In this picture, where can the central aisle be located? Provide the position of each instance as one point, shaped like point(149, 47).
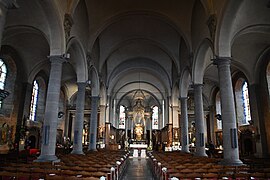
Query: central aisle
point(137, 169)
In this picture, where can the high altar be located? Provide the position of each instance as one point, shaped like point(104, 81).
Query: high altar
point(139, 126)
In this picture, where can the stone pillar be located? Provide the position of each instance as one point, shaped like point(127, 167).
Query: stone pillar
point(131, 128)
point(79, 118)
point(93, 123)
point(126, 128)
point(170, 110)
point(213, 122)
point(107, 115)
point(144, 129)
point(175, 116)
point(199, 120)
point(72, 126)
point(259, 132)
point(184, 125)
point(102, 121)
point(115, 124)
point(51, 111)
point(107, 134)
point(229, 128)
point(150, 132)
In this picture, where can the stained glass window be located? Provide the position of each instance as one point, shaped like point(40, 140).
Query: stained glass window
point(246, 106)
point(218, 111)
point(3, 74)
point(33, 107)
point(155, 118)
point(122, 117)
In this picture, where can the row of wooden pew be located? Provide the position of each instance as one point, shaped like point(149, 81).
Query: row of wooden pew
point(187, 166)
point(90, 166)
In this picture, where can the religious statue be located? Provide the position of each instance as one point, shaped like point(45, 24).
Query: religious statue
point(138, 131)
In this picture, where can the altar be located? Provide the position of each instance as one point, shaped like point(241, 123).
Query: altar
point(138, 148)
point(139, 144)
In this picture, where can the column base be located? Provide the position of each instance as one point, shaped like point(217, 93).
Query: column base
point(184, 151)
point(77, 152)
point(92, 149)
point(47, 158)
point(228, 162)
point(200, 154)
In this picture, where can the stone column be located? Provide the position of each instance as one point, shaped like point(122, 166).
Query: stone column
point(259, 131)
point(102, 121)
point(144, 129)
point(184, 125)
point(131, 127)
point(150, 132)
point(93, 124)
point(229, 128)
point(72, 126)
point(175, 116)
point(79, 118)
point(51, 111)
point(199, 120)
point(115, 124)
point(170, 110)
point(126, 128)
point(107, 134)
point(213, 123)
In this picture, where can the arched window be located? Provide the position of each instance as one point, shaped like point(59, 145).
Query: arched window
point(122, 117)
point(3, 75)
point(155, 118)
point(218, 111)
point(246, 106)
point(242, 102)
point(33, 107)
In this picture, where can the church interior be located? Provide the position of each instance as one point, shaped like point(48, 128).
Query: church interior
point(129, 89)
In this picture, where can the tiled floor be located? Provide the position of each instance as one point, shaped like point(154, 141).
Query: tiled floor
point(137, 169)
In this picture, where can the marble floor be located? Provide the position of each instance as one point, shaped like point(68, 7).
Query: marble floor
point(137, 169)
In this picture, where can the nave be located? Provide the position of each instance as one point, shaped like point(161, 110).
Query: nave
point(112, 165)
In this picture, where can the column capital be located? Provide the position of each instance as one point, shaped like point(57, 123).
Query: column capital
point(196, 85)
point(95, 97)
point(183, 98)
point(222, 60)
point(81, 84)
point(9, 4)
point(57, 59)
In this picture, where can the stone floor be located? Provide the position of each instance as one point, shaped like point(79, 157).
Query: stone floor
point(137, 169)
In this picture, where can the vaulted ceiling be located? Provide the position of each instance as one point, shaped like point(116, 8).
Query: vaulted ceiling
point(138, 45)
